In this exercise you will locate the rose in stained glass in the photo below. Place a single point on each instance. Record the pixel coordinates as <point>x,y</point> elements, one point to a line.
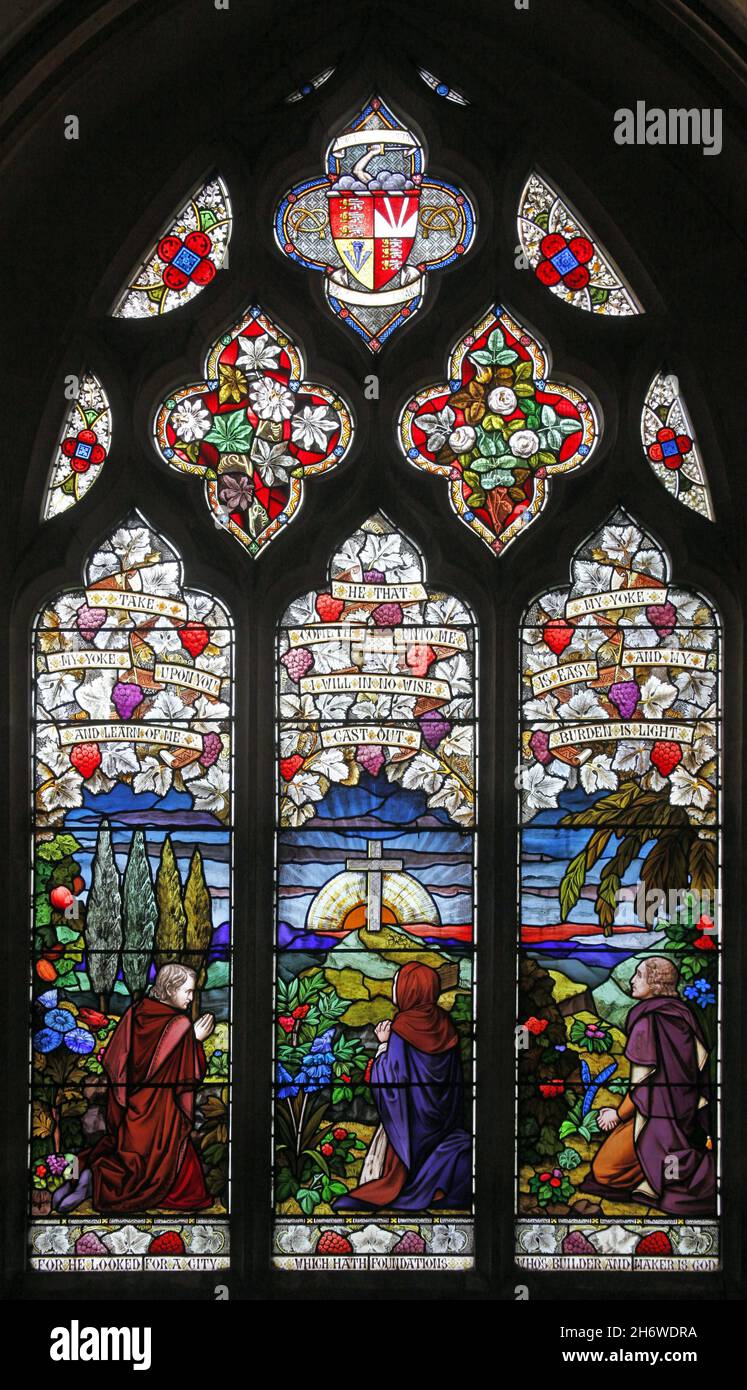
<point>83,448</point>
<point>671,447</point>
<point>254,430</point>
<point>565,255</point>
<point>564,260</point>
<point>498,430</point>
<point>185,257</point>
<point>374,224</point>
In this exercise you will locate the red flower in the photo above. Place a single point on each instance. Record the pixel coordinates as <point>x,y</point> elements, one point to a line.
<point>556,1087</point>
<point>565,260</point>
<point>555,1182</point>
<point>544,1177</point>
<point>186,260</point>
<point>670,448</point>
<point>40,1171</point>
<point>536,1025</point>
<point>704,943</point>
<point>83,450</point>
<point>340,1133</point>
<point>287,1023</point>
<point>327,1149</point>
<point>369,1068</point>
<point>301,1011</point>
<point>345,1076</point>
<point>93,1018</point>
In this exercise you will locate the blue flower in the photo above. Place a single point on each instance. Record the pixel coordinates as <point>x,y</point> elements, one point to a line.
<point>79,1040</point>
<point>61,1020</point>
<point>285,1083</point>
<point>47,1039</point>
<point>701,993</point>
<point>322,1043</point>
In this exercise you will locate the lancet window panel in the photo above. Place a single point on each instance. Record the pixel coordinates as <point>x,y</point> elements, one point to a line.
<point>375,930</point>
<point>618,1030</point>
<point>131,962</point>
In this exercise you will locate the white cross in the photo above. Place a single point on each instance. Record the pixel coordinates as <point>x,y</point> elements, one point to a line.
<point>374,867</point>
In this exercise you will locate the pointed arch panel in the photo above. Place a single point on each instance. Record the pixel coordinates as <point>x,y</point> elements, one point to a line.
<point>376,819</point>
<point>619,849</point>
<point>132,861</point>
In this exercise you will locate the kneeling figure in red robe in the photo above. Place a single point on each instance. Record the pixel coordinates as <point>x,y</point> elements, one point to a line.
<point>155,1062</point>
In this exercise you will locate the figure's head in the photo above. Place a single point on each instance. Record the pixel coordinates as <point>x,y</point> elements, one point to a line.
<point>415,985</point>
<point>655,975</point>
<point>175,985</point>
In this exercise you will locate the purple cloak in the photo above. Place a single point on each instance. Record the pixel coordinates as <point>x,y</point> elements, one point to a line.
<point>420,1100</point>
<point>663,1037</point>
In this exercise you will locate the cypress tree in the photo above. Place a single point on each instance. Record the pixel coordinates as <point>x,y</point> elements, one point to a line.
<point>197,908</point>
<point>103,930</point>
<point>172,923</point>
<point>140,916</point>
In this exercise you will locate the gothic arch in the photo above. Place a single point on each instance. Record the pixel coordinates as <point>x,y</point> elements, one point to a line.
<point>56,308</point>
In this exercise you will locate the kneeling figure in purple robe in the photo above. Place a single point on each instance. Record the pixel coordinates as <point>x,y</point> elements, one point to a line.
<point>419,1156</point>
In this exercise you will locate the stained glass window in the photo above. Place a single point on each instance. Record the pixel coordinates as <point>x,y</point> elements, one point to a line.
<point>670,445</point>
<point>299,93</point>
<point>254,430</point>
<point>442,89</point>
<point>184,259</point>
<point>132,908</point>
<point>566,256</point>
<point>375,916</point>
<point>83,447</point>
<point>618,1036</point>
<point>497,429</point>
<point>373,224</point>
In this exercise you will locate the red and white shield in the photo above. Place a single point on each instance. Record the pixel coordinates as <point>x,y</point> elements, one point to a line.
<point>374,233</point>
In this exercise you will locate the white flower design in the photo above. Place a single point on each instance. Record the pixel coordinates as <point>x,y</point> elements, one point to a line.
<point>274,463</point>
<point>272,401</point>
<point>311,427</point>
<point>462,439</point>
<point>258,354</point>
<point>523,444</point>
<point>502,400</point>
<point>190,420</point>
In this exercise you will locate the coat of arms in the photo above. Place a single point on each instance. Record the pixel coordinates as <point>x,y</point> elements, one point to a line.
<point>373,224</point>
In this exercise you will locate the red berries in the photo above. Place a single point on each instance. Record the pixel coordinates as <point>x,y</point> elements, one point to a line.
<point>194,637</point>
<point>327,1150</point>
<point>654,1243</point>
<point>168,1243</point>
<point>665,757</point>
<point>85,758</point>
<point>328,608</point>
<point>332,1243</point>
<point>558,634</point>
<point>289,767</point>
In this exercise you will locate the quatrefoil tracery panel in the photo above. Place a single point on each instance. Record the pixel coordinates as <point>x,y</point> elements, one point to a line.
<point>254,430</point>
<point>498,429</point>
<point>373,224</point>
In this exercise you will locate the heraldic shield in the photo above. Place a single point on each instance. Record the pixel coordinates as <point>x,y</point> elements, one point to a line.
<point>374,225</point>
